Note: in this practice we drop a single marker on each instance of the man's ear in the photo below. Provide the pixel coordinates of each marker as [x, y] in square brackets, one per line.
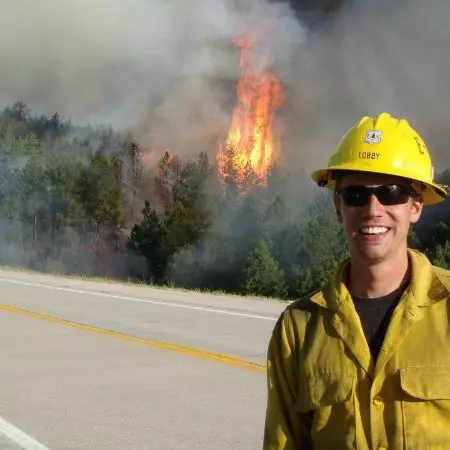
[416, 209]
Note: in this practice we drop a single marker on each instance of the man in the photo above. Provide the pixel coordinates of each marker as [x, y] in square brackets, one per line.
[365, 362]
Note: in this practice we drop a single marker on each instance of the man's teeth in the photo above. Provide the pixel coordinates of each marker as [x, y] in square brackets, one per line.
[374, 230]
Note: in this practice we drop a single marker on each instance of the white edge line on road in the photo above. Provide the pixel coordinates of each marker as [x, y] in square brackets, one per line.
[19, 437]
[141, 300]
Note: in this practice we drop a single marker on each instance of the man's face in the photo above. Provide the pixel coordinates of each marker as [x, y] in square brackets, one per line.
[376, 232]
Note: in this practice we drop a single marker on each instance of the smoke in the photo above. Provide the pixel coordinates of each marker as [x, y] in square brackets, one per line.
[165, 69]
[373, 56]
[168, 69]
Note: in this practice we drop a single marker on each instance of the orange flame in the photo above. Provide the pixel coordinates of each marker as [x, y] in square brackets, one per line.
[250, 141]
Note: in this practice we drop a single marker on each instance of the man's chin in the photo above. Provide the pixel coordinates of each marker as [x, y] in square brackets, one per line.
[372, 255]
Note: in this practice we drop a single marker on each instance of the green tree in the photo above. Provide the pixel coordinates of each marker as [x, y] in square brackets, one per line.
[303, 281]
[9, 200]
[32, 192]
[101, 192]
[413, 238]
[321, 246]
[63, 178]
[190, 187]
[184, 226]
[149, 238]
[210, 262]
[262, 274]
[188, 217]
[441, 233]
[276, 221]
[441, 257]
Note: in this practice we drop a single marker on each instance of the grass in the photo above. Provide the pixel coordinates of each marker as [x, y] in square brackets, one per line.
[134, 283]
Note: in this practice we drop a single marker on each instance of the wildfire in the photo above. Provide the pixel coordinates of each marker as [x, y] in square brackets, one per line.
[250, 140]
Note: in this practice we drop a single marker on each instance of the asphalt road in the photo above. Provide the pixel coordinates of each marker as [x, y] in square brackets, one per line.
[89, 365]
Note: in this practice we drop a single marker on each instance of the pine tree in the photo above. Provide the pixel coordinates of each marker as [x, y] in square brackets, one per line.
[149, 238]
[441, 257]
[101, 191]
[303, 281]
[262, 275]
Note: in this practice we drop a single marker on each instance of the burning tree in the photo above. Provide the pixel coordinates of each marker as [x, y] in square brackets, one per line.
[250, 140]
[134, 165]
[237, 175]
[169, 172]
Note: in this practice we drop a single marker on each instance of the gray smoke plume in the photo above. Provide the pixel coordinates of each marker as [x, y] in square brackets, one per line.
[374, 56]
[165, 69]
[168, 69]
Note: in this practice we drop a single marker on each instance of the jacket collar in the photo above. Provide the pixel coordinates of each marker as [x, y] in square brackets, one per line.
[425, 286]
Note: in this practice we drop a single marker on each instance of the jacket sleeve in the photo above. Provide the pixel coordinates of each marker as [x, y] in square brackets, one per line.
[285, 427]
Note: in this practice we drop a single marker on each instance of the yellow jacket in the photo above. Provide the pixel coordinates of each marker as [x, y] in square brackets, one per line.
[326, 392]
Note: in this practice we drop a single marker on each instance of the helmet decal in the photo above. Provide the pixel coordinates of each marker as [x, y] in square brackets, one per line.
[421, 145]
[373, 136]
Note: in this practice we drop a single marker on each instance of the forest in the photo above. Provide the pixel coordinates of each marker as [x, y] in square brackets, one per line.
[91, 201]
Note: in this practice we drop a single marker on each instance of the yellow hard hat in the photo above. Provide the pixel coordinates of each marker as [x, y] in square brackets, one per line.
[385, 145]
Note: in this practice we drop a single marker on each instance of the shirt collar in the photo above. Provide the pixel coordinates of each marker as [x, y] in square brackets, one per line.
[425, 286]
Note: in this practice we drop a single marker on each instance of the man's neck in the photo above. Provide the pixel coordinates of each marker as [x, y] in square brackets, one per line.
[378, 280]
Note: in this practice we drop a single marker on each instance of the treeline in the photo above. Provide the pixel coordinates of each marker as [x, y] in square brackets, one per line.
[61, 194]
[81, 200]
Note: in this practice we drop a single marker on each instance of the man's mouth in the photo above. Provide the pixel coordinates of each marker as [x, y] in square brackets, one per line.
[373, 231]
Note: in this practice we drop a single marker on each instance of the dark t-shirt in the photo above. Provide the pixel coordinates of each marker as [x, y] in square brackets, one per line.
[375, 315]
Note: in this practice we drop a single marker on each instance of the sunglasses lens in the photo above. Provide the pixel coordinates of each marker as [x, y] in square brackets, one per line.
[388, 195]
[355, 195]
[393, 194]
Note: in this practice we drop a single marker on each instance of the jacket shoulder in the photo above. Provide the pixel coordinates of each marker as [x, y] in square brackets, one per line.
[305, 303]
[443, 275]
[298, 313]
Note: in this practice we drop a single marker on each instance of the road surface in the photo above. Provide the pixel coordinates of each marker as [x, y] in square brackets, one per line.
[90, 365]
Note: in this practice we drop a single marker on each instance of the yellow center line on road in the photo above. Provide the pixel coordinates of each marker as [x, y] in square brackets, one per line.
[191, 351]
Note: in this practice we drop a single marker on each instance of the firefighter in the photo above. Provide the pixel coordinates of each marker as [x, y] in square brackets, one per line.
[364, 363]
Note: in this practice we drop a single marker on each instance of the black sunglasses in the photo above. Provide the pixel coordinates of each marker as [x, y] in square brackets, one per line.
[388, 194]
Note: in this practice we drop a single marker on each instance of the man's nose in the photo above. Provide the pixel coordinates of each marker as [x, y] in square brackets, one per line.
[373, 207]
